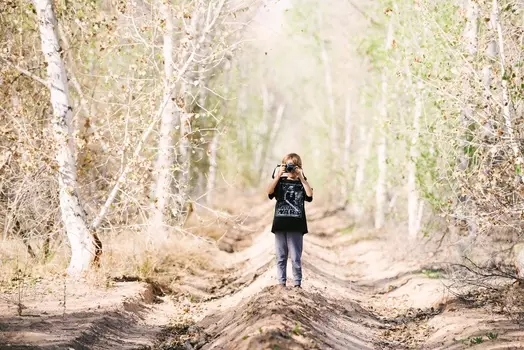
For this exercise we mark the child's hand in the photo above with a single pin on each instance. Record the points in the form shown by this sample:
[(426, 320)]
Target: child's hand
[(281, 170), (300, 173)]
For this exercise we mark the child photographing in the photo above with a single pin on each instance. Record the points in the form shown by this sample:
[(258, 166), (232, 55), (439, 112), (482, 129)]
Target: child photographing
[(290, 189)]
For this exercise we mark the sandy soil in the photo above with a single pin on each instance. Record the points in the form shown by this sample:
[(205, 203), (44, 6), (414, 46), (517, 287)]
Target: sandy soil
[(362, 290)]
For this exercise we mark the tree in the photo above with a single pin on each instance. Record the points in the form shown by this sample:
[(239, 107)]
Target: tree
[(80, 238), (380, 215), (164, 162)]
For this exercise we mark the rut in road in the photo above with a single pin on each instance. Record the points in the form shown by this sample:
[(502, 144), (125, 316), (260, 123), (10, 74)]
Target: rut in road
[(341, 305)]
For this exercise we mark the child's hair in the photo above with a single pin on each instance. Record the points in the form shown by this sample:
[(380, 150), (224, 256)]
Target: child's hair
[(295, 158)]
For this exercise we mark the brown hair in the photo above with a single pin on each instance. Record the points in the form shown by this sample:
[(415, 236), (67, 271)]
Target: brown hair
[(295, 158)]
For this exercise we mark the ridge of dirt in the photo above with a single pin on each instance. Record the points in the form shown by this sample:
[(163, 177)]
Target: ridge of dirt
[(361, 291), (262, 316), (120, 318)]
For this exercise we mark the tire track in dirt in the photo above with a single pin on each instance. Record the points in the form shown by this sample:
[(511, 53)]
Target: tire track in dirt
[(328, 313), (117, 320), (362, 290)]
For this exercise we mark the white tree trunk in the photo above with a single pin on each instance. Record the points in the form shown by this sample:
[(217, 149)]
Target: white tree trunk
[(506, 98), (213, 166), (381, 195), (413, 199), (73, 215), (332, 120), (347, 148), (164, 162), (262, 129), (270, 140), (381, 191), (471, 44), (365, 144), (185, 158), (471, 47)]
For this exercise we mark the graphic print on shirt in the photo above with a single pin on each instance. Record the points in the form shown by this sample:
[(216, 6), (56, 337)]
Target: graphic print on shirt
[(292, 204)]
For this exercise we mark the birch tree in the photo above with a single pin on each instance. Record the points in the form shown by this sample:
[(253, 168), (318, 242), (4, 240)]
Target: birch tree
[(164, 163), (80, 238), (413, 198), (471, 47), (346, 150), (363, 153), (381, 195), (506, 98)]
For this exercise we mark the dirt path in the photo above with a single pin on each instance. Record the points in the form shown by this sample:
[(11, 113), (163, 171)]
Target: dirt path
[(125, 316), (362, 290)]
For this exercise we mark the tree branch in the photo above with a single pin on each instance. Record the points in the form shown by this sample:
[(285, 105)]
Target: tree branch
[(26, 73)]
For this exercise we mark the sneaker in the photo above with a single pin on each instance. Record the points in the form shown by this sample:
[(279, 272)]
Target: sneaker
[(297, 286)]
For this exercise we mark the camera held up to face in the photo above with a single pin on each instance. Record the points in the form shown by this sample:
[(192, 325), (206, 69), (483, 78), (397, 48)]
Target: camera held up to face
[(290, 167)]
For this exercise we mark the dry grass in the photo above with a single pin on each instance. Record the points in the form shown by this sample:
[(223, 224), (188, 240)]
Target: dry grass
[(190, 254), (125, 254), (15, 263), (129, 255)]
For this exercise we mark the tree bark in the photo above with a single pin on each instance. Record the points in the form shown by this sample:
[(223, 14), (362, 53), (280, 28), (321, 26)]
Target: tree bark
[(328, 79), (164, 162), (413, 198), (270, 140), (471, 48), (506, 98), (347, 148), (365, 144), (80, 238), (263, 129), (184, 151), (213, 166), (381, 191)]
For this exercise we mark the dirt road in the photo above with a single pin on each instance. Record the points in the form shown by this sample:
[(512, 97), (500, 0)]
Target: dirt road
[(362, 290)]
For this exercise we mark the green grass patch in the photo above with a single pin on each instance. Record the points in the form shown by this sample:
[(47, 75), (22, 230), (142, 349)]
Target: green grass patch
[(492, 336), (476, 340), (433, 274), (347, 230)]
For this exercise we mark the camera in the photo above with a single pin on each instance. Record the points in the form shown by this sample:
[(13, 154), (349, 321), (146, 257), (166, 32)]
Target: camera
[(290, 167)]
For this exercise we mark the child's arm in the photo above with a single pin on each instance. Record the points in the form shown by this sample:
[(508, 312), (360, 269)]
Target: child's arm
[(307, 188), (273, 184)]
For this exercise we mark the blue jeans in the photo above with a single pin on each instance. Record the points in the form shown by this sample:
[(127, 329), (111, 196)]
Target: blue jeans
[(289, 243)]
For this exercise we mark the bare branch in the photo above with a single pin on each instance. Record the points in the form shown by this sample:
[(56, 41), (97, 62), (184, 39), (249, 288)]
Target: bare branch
[(27, 73)]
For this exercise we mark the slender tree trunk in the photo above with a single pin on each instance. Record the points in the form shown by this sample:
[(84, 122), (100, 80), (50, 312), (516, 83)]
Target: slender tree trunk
[(241, 109), (381, 191), (185, 155), (270, 140), (365, 144), (506, 105), (381, 195), (328, 79), (213, 166), (471, 48), (347, 148), (81, 240), (413, 200), (471, 43), (506, 97), (263, 128), (164, 162)]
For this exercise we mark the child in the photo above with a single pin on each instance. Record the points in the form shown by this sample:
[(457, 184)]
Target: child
[(290, 189)]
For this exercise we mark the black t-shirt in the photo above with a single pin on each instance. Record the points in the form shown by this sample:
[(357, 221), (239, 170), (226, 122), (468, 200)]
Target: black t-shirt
[(290, 214)]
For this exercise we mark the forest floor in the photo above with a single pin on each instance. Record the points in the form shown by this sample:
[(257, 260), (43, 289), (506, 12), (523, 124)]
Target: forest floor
[(362, 289)]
